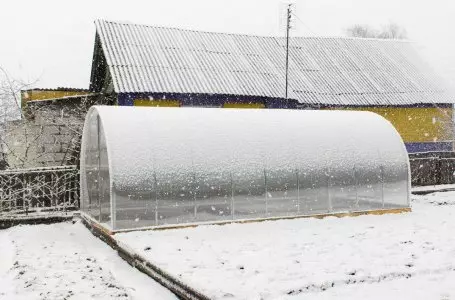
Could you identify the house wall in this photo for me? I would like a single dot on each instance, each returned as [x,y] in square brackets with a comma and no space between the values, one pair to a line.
[421,128]
[243,105]
[176,103]
[50,132]
[49,135]
[156,103]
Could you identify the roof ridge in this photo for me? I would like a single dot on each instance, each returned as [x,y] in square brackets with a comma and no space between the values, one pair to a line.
[178,29]
[251,35]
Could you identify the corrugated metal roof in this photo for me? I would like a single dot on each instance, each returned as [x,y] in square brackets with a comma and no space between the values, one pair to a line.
[332,71]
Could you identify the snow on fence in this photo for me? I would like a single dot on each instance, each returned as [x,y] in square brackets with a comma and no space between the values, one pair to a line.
[28,190]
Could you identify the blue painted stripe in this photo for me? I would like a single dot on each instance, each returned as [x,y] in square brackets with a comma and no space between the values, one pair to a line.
[125,100]
[431,146]
[210,100]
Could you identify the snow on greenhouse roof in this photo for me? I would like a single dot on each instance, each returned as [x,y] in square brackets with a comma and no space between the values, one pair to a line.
[210,165]
[332,71]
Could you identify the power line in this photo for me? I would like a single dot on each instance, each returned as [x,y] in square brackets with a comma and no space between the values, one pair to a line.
[303,23]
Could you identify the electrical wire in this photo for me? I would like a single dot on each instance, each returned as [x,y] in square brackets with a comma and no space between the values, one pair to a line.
[303,23]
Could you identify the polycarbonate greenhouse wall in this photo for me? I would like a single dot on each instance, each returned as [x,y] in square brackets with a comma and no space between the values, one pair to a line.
[145,167]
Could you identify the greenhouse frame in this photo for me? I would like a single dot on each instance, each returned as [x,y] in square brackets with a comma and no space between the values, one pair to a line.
[144,167]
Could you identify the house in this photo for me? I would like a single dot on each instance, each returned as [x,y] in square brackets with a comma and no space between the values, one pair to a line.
[156,66]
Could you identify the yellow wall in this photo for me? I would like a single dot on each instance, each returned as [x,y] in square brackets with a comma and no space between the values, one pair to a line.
[243,105]
[156,103]
[417,124]
[44,95]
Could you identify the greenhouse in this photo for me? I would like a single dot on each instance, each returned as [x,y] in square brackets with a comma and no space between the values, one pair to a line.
[165,167]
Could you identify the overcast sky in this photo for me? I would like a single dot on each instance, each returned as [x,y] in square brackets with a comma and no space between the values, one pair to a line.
[52,40]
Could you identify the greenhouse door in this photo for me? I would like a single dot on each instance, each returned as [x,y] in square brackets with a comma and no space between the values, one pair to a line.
[97,174]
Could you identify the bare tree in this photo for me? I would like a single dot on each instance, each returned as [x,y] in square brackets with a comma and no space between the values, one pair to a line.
[393,31]
[9,100]
[361,31]
[389,31]
[10,111]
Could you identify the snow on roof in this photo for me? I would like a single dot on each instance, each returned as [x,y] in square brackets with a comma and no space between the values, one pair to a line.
[331,71]
[58,89]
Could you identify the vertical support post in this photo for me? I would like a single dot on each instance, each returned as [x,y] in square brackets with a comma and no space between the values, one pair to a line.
[381,174]
[194,195]
[99,167]
[298,190]
[356,186]
[113,210]
[155,183]
[232,196]
[329,196]
[26,198]
[266,193]
[382,184]
[51,189]
[66,187]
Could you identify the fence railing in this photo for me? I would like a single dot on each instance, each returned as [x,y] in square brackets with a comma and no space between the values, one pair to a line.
[39,189]
[432,168]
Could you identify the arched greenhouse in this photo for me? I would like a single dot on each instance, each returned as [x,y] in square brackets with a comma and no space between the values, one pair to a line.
[147,167]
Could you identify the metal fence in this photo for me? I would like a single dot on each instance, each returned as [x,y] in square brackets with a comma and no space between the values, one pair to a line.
[39,189]
[432,168]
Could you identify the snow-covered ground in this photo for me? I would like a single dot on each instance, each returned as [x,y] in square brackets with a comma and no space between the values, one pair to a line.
[406,256]
[65,261]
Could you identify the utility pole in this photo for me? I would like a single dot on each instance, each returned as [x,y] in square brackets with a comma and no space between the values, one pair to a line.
[288,27]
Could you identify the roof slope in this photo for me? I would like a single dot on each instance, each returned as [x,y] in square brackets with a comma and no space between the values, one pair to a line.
[333,71]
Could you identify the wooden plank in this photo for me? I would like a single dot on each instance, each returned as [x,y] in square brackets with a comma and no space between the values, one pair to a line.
[176,286]
[245,221]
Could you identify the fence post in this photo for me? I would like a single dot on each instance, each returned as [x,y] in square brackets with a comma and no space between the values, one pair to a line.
[439,170]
